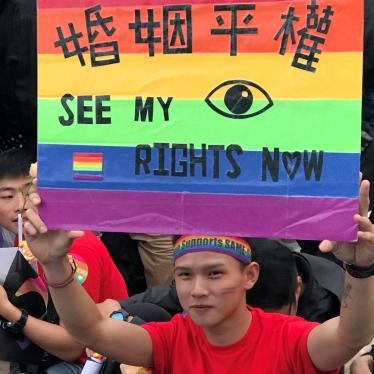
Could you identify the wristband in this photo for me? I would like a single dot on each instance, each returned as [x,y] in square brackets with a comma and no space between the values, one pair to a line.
[123,315]
[16,328]
[67,281]
[359,271]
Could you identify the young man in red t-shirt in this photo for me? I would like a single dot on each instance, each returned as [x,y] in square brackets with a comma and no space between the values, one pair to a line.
[218,333]
[96,271]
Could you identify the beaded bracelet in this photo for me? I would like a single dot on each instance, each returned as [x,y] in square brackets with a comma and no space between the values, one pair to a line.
[67,281]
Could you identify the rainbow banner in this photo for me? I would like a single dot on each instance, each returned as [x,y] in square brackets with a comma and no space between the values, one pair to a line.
[189,117]
[87,166]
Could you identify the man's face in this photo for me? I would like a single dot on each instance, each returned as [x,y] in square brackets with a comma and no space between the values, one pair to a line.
[13,200]
[210,286]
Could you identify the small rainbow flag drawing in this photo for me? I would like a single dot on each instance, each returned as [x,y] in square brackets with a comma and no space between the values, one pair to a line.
[88,166]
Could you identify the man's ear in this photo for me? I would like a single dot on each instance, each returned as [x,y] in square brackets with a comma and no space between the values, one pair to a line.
[299,287]
[298,292]
[252,272]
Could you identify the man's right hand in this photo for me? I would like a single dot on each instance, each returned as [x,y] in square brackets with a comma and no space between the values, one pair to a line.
[108,306]
[47,246]
[4,301]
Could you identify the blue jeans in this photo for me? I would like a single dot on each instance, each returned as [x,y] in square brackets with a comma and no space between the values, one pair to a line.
[65,368]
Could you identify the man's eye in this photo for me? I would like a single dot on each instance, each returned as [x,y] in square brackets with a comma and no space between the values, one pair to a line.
[183,275]
[215,274]
[6,197]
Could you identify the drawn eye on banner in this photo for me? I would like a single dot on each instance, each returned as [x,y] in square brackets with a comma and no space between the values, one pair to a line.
[238,99]
[222,117]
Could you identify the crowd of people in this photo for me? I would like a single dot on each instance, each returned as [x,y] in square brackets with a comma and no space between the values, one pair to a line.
[147,303]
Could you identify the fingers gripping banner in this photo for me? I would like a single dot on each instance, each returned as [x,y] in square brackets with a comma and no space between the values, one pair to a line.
[229,117]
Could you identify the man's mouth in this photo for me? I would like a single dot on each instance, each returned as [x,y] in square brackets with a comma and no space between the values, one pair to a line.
[200,307]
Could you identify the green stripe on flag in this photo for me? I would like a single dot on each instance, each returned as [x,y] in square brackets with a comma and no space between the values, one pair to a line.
[87,168]
[329,125]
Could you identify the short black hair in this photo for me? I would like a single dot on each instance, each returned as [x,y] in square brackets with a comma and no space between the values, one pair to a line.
[14,163]
[277,280]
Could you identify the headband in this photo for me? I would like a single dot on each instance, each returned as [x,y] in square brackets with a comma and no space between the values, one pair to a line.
[228,245]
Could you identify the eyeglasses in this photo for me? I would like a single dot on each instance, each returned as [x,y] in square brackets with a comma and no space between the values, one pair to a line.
[25,191]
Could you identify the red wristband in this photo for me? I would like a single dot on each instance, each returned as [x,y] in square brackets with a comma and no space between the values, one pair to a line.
[67,281]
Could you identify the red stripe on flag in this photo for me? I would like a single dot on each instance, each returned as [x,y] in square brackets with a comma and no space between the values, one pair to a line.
[49,4]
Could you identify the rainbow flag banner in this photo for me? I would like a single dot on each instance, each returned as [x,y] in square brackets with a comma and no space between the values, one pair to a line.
[201,117]
[87,166]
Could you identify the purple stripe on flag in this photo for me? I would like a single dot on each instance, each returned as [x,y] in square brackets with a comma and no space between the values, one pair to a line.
[190,213]
[88,177]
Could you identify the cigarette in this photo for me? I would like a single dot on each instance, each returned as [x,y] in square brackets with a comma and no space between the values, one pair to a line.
[19,216]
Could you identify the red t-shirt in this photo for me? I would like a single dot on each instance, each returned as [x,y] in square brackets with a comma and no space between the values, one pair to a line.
[96,271]
[273,344]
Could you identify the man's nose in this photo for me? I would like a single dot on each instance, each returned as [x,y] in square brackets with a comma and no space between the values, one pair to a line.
[199,287]
[22,202]
[19,202]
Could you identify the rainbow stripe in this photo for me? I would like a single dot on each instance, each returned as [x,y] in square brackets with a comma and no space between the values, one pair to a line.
[87,166]
[310,112]
[229,245]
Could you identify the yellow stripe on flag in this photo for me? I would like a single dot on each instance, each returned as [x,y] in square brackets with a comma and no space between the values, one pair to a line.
[194,76]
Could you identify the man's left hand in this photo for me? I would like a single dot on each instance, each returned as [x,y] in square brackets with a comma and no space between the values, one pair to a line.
[361,252]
